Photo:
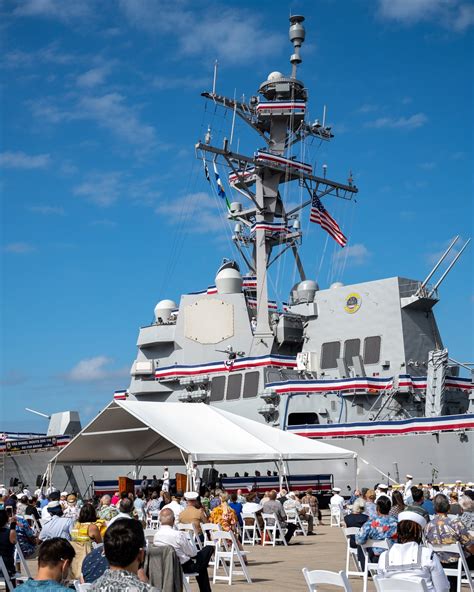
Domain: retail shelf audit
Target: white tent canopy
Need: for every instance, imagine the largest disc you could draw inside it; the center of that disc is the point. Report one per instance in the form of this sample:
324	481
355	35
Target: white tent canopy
147	433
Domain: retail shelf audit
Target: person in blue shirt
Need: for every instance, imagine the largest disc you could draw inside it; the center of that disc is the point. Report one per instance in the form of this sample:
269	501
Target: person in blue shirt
54	560
236	506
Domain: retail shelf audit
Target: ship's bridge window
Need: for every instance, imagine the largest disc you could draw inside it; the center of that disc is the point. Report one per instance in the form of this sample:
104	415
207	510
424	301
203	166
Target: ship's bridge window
217	388
372	349
330	351
308	418
234	385
251	384
351	349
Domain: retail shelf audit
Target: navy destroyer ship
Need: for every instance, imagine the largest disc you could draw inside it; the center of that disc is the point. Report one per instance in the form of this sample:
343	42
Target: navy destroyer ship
361	365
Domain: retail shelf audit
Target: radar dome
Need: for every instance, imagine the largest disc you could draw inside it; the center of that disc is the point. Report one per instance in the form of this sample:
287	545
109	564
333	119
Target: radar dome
306	290
336	285
229	281
163	310
274	76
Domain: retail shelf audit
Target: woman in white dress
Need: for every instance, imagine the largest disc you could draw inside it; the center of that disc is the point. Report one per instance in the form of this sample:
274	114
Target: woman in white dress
409	559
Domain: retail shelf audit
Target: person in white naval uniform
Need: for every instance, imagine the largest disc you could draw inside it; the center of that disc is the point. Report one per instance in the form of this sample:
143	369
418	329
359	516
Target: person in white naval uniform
407	490
337	499
409	559
166	480
196	478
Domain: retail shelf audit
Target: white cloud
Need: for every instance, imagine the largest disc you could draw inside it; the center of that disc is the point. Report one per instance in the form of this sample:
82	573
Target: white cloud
51	54
219	31
62	10
21	160
93	77
102	189
47	210
453	14
198	212
19	248
357	254
110	111
407	123
93	369
368	108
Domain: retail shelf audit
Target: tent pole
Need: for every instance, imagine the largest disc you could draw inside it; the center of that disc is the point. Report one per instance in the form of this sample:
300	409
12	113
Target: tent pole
356	467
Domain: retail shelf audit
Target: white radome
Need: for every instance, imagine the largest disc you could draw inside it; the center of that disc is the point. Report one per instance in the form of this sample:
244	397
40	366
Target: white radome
274	76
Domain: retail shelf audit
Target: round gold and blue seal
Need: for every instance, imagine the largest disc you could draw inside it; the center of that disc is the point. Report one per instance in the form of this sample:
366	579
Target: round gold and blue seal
353	302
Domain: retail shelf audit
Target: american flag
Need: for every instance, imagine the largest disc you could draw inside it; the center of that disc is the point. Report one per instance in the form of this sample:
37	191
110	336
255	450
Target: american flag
320	216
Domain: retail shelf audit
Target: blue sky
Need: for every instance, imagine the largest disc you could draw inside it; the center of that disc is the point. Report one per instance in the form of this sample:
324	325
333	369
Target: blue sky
105	209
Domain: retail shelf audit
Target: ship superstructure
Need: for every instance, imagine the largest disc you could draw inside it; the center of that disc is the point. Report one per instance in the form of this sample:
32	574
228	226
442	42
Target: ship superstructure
353	362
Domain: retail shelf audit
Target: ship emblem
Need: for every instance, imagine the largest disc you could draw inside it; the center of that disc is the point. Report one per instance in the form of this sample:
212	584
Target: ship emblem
353	302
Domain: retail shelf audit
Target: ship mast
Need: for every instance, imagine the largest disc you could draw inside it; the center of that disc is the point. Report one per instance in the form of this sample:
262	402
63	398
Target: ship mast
280	120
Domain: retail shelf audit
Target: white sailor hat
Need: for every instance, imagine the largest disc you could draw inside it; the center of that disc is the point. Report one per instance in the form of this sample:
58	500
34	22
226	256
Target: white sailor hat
65	493
470	484
191	495
383	486
441	482
409	476
54	504
413	516
337	489
458	481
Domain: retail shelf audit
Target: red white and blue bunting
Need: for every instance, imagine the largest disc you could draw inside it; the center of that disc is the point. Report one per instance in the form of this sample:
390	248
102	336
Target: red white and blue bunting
385	428
177	370
370	384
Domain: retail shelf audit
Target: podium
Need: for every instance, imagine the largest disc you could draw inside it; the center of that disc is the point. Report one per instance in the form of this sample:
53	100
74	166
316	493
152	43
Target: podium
126	485
181	482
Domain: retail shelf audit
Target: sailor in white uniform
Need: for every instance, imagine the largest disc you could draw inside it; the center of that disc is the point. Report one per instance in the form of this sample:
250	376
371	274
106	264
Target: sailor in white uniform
382	489
196	478
407	498
458	488
409	559
337	499
166	480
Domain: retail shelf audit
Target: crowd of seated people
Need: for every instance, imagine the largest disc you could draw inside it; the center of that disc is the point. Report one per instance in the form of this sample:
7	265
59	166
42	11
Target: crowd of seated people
102	541
406	516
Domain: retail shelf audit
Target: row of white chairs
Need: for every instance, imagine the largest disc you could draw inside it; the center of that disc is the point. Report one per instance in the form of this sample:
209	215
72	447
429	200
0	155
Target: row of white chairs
460	569
315	577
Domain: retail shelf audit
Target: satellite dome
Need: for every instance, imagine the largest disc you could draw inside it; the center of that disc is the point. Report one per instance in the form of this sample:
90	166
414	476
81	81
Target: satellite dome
163	310
274	76
229	281
336	285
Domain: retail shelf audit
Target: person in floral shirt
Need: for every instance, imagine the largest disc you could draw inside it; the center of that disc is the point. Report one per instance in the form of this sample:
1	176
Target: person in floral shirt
380	527
442	530
25	537
106	511
224	515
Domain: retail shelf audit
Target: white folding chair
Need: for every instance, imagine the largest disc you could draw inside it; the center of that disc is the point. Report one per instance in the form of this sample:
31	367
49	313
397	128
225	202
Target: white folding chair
310	512
20	558
250	532
186	583
369	565
193	535
321	576
396	584
208	531
351	552
335	515
273	529
293	517
5	575
227	552
458	567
